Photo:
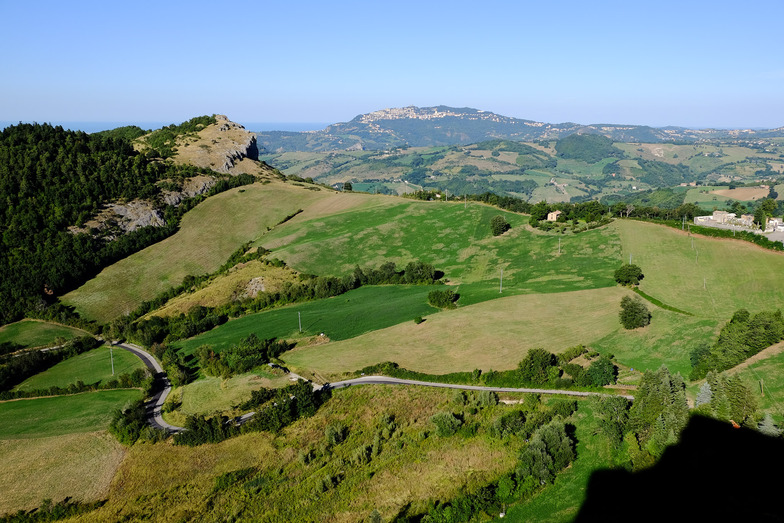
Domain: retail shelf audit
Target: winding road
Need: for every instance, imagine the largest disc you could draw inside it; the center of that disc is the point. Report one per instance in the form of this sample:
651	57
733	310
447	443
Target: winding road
163	387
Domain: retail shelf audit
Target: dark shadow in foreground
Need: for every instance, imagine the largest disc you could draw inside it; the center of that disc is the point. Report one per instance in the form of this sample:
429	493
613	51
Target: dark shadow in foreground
715	473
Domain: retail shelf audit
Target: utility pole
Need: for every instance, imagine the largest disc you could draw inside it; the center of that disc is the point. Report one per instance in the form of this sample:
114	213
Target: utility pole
559	245
501	288
465	201
630	259
683	225
299	318
762	387
111	356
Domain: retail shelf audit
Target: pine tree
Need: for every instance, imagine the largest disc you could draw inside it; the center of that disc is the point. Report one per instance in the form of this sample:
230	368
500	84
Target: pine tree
768	427
705	395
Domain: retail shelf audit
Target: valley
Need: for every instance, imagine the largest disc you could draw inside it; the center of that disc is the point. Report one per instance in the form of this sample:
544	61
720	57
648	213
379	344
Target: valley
289	271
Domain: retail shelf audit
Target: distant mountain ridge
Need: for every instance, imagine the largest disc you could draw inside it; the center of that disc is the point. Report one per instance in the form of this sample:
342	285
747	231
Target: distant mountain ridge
443	125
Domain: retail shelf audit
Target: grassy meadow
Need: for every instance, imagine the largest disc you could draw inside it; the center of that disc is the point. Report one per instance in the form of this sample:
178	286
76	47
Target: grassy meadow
80	465
208	235
412	467
351	314
491	335
89	367
35	333
455	239
211	395
58	415
711	280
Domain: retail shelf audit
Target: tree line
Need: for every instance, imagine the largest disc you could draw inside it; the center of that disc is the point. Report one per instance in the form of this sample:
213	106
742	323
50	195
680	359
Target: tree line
14	369
51	179
156	329
741	338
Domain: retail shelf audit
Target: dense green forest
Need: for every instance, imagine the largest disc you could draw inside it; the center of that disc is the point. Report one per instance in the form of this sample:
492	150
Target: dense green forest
50	179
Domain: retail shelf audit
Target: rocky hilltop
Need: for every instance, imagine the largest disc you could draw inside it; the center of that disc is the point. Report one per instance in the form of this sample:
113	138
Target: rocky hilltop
442	125
224	147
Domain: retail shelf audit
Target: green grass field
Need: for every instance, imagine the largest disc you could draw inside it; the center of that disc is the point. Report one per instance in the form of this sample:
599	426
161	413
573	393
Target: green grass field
208	235
457	240
86	412
34	333
711	280
351	314
90	367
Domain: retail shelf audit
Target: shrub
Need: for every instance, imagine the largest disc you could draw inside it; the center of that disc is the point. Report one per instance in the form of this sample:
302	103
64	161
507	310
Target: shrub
442	299
633	313
446	423
499	225
535	367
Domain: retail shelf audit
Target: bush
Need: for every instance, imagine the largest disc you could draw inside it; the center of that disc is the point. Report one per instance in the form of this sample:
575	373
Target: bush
446	423
633	313
499	225
535	367
442	299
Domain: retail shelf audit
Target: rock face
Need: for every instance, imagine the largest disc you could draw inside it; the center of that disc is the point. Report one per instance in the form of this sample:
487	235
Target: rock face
117	219
224	147
190	188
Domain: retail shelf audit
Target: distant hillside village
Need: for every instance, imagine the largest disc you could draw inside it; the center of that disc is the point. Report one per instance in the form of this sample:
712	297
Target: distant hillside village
727	220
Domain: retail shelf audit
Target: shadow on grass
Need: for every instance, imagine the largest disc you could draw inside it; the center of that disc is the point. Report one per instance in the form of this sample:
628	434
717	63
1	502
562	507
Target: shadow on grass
715	473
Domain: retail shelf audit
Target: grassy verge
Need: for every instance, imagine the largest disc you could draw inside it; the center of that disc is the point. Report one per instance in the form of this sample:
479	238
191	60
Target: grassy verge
35	333
89	367
86	412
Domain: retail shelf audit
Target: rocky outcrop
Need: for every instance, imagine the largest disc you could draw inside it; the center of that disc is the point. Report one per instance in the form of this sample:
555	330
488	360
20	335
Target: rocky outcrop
190	188
117	219
225	147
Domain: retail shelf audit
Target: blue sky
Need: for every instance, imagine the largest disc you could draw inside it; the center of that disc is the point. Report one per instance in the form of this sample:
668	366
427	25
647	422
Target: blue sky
702	64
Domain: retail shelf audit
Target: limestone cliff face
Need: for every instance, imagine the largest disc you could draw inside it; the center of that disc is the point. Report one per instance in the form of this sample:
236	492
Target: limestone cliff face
224	147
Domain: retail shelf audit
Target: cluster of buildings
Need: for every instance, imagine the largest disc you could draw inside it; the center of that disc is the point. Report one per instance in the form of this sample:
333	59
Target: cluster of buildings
745	221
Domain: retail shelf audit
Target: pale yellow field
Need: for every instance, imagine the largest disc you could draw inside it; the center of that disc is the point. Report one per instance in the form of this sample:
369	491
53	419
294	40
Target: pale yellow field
77	465
743	193
490	335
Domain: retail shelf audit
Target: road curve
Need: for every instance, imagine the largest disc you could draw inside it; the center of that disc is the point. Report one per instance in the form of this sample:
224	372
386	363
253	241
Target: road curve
162	384
386	380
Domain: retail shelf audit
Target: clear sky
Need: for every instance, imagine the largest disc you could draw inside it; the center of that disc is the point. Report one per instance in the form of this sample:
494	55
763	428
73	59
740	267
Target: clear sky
687	63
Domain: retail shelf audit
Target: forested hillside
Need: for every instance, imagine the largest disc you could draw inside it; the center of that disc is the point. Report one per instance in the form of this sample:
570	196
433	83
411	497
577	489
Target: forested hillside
51	179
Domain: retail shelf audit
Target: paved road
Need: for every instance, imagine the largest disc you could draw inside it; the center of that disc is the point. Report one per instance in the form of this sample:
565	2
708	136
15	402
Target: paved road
385	380
161	384
154	405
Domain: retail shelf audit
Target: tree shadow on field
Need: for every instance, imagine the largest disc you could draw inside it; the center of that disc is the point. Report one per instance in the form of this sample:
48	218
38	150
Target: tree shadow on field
715	473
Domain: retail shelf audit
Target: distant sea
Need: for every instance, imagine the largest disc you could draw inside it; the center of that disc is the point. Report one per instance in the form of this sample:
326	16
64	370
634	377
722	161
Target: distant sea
93	127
